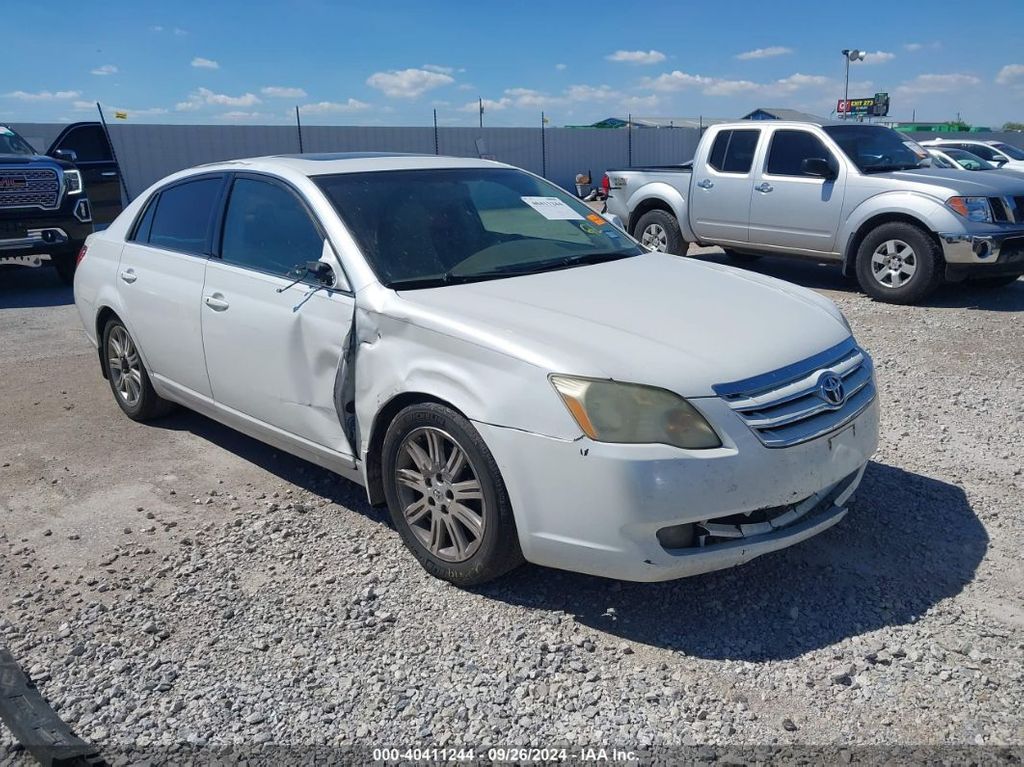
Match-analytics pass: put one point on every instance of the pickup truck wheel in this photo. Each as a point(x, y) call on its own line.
point(446, 496)
point(128, 378)
point(658, 230)
point(898, 263)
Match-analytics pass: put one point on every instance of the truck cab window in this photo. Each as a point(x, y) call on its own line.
point(733, 151)
point(789, 148)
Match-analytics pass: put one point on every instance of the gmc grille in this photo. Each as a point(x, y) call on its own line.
point(29, 188)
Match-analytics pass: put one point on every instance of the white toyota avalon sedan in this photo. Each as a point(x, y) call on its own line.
point(508, 371)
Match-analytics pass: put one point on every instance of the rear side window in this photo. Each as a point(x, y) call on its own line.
point(790, 148)
point(733, 151)
point(267, 228)
point(182, 216)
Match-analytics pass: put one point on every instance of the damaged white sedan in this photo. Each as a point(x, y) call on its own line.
point(508, 371)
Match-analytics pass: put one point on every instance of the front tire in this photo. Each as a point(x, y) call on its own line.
point(658, 230)
point(446, 496)
point(899, 263)
point(129, 380)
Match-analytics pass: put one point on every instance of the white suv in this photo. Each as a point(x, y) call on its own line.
point(510, 372)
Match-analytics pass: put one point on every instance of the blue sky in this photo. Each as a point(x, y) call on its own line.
point(392, 63)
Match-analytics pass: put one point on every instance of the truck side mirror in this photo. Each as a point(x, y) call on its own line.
point(66, 154)
point(817, 166)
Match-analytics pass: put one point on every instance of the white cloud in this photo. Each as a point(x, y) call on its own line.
point(283, 92)
point(938, 83)
point(640, 102)
point(490, 105)
point(204, 96)
point(915, 47)
point(527, 97)
point(439, 69)
point(235, 116)
point(591, 93)
point(43, 95)
point(878, 57)
point(764, 53)
point(636, 57)
point(200, 63)
point(1011, 74)
point(408, 83)
point(156, 28)
point(323, 107)
point(106, 69)
point(560, 67)
point(180, 32)
point(720, 86)
point(81, 106)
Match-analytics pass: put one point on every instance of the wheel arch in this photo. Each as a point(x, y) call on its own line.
point(875, 221)
point(103, 316)
point(385, 416)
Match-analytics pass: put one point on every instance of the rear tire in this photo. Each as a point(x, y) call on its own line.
point(446, 496)
point(65, 263)
point(899, 263)
point(129, 380)
point(659, 231)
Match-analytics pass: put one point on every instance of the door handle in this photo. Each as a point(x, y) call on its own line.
point(109, 173)
point(706, 183)
point(764, 187)
point(216, 302)
point(129, 276)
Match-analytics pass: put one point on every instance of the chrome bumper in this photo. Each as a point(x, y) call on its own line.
point(36, 238)
point(999, 248)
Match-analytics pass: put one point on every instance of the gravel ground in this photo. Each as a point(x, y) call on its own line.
point(178, 583)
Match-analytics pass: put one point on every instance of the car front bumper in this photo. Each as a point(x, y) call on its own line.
point(985, 254)
point(597, 508)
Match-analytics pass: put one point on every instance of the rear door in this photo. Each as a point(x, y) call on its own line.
point(790, 209)
point(99, 171)
point(274, 346)
point(160, 279)
point(719, 201)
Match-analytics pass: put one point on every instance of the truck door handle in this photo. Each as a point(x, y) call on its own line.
point(129, 276)
point(706, 183)
point(109, 173)
point(764, 187)
point(216, 302)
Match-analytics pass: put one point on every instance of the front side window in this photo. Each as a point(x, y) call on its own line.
point(969, 160)
point(12, 143)
point(267, 228)
point(876, 149)
point(733, 151)
point(790, 148)
point(983, 151)
point(89, 144)
point(183, 214)
point(425, 228)
point(1010, 151)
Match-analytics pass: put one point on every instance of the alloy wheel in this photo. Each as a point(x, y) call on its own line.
point(125, 366)
point(893, 263)
point(654, 237)
point(440, 494)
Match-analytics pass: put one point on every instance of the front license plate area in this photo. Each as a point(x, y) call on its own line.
point(12, 230)
point(843, 438)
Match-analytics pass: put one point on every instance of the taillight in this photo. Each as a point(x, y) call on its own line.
point(605, 183)
point(81, 255)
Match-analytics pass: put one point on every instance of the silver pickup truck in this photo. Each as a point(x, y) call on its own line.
point(851, 193)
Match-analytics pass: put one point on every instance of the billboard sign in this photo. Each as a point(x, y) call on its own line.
point(876, 106)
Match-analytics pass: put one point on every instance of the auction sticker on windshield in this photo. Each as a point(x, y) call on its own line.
point(552, 208)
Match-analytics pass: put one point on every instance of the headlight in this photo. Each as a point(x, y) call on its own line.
point(971, 208)
point(72, 182)
point(610, 411)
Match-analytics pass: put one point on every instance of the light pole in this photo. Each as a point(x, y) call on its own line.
point(849, 55)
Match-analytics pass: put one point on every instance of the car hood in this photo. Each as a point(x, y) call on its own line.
point(656, 319)
point(948, 182)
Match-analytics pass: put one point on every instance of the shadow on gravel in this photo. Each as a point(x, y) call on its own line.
point(909, 542)
point(25, 288)
point(810, 274)
point(308, 476)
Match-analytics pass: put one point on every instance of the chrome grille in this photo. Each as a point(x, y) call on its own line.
point(789, 406)
point(29, 188)
point(1007, 209)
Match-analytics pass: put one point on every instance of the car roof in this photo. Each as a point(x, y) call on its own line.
point(329, 163)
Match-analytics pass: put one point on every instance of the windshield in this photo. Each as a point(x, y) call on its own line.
point(424, 228)
point(969, 161)
point(874, 149)
point(1009, 150)
point(12, 143)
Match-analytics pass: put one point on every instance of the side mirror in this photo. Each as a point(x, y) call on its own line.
point(1000, 162)
point(323, 272)
point(817, 166)
point(66, 154)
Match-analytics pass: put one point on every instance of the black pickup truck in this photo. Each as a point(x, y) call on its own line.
point(44, 208)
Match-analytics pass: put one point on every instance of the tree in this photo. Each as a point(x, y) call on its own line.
point(1013, 126)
